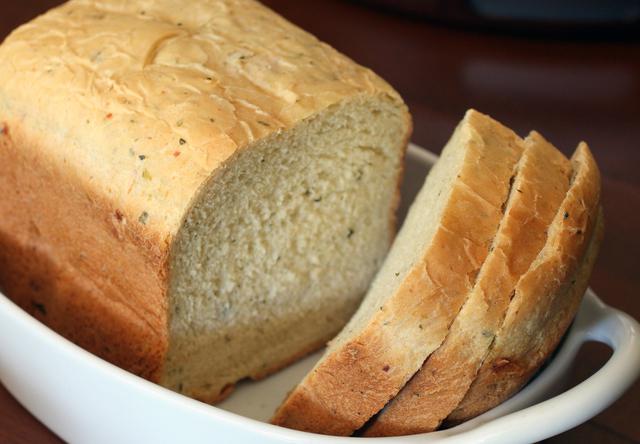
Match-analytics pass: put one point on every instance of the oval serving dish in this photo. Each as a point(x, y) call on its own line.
point(82, 398)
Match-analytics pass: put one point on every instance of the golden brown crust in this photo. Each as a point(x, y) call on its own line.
point(62, 256)
point(539, 187)
point(354, 381)
point(364, 374)
point(166, 81)
point(547, 296)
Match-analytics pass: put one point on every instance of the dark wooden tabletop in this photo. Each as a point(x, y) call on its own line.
point(568, 90)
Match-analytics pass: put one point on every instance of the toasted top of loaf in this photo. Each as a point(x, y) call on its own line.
point(423, 282)
point(546, 297)
point(539, 186)
point(164, 92)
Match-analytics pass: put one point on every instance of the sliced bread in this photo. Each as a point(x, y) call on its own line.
point(546, 297)
point(540, 185)
point(423, 283)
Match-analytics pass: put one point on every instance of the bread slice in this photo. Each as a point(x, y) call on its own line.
point(432, 265)
point(540, 185)
point(183, 184)
point(546, 297)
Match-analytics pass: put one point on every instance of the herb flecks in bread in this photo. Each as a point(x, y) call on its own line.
point(200, 124)
point(538, 188)
point(546, 297)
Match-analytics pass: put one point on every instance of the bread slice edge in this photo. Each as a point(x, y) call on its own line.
point(547, 296)
point(438, 387)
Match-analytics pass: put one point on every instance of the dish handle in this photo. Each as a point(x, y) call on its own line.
point(541, 418)
point(621, 333)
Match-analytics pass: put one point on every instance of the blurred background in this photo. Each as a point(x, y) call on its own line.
point(567, 68)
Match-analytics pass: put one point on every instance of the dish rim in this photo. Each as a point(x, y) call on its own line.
point(520, 419)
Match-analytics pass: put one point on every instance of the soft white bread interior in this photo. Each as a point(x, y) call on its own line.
point(195, 190)
point(546, 297)
point(540, 185)
point(430, 269)
point(275, 254)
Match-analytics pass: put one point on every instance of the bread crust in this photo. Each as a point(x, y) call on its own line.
point(355, 380)
point(438, 387)
point(107, 141)
point(149, 154)
point(547, 296)
point(62, 256)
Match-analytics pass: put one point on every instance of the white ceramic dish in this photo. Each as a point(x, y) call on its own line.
point(85, 399)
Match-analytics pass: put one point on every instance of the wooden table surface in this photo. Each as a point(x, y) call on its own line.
point(569, 91)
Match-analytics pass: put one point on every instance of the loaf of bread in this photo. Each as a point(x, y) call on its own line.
point(424, 281)
point(195, 190)
point(540, 185)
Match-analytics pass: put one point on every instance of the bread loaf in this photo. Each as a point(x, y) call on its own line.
point(424, 281)
point(539, 187)
point(183, 184)
point(546, 297)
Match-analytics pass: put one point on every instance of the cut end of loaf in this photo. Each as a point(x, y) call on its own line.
point(278, 249)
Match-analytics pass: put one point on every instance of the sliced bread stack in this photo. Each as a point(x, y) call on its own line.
point(547, 295)
point(477, 290)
